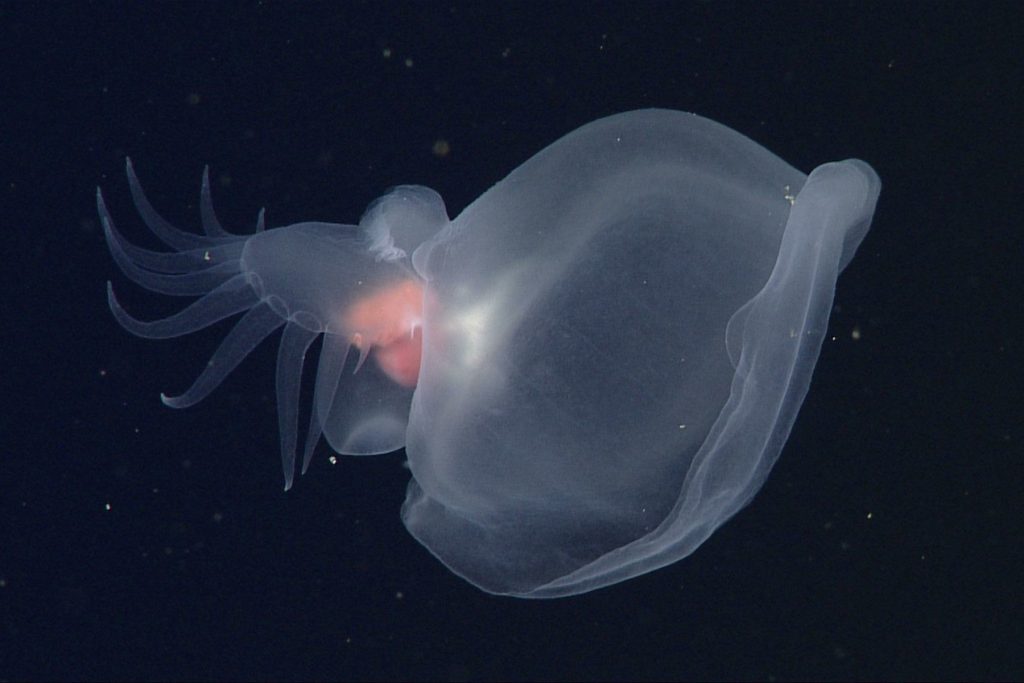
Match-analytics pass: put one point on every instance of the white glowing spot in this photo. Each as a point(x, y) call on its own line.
point(472, 327)
point(789, 196)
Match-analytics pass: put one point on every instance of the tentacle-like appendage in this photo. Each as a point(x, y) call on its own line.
point(211, 226)
point(234, 296)
point(332, 360)
point(168, 234)
point(210, 266)
point(182, 284)
point(172, 262)
point(253, 328)
point(291, 355)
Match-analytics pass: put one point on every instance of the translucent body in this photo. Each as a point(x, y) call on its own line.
point(615, 340)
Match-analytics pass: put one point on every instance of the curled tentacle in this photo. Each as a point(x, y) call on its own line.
point(254, 327)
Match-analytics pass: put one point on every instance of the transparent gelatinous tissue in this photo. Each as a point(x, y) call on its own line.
point(591, 368)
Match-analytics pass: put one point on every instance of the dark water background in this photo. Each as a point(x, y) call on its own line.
point(141, 542)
